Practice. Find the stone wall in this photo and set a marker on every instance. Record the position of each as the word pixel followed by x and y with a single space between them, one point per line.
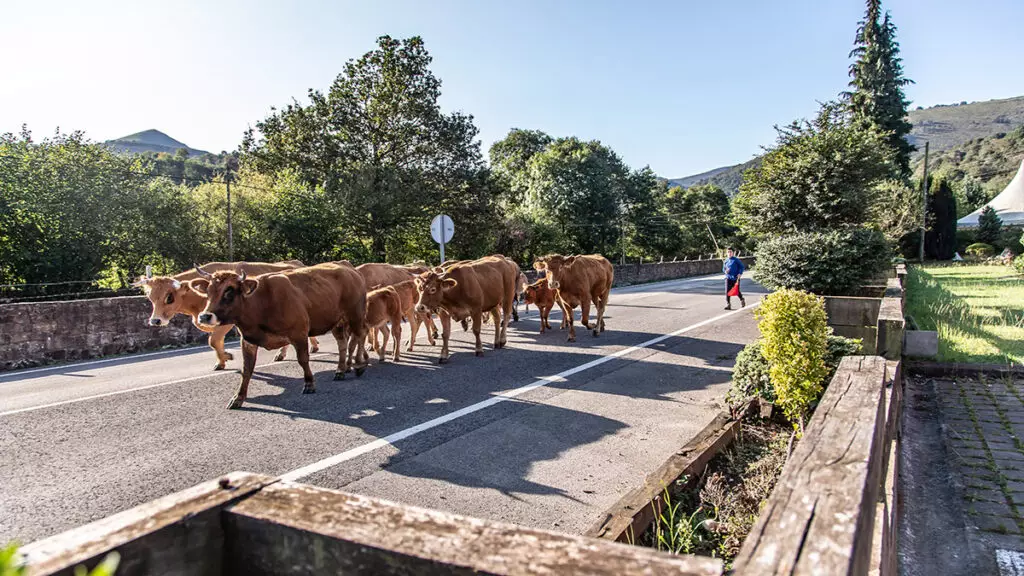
pixel 40 333
pixel 44 332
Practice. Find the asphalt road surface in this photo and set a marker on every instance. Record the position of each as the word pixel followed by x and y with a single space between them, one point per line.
pixel 542 433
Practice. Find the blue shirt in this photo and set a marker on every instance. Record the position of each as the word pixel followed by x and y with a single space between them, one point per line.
pixel 732 268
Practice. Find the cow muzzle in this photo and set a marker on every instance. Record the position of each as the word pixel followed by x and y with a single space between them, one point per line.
pixel 553 284
pixel 154 321
pixel 422 309
pixel 208 319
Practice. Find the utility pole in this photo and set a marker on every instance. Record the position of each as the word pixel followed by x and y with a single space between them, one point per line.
pixel 717 249
pixel 231 235
pixel 924 203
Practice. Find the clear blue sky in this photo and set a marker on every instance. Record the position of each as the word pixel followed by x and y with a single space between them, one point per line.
pixel 683 86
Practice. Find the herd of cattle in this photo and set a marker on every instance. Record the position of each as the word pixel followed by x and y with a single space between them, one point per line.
pixel 275 305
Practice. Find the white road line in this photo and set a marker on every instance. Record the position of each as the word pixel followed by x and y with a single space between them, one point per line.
pixel 1011 562
pixel 389 440
pixel 127 390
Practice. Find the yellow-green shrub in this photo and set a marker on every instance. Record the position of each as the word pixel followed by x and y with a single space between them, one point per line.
pixel 795 343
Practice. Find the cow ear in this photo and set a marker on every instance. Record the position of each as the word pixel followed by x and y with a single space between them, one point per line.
pixel 199 286
pixel 419 282
pixel 539 265
pixel 568 261
pixel 249 285
pixel 449 283
pixel 140 281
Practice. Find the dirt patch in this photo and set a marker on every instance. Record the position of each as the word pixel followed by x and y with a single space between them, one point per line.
pixel 714 518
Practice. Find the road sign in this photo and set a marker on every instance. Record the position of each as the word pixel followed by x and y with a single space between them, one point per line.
pixel 442 229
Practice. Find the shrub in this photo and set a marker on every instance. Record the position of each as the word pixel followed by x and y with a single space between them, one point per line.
pixel 980 249
pixel 821 262
pixel 964 238
pixel 1018 265
pixel 795 332
pixel 751 378
pixel 1009 238
pixel 989 226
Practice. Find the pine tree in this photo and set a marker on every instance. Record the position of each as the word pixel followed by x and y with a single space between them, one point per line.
pixel 989 226
pixel 940 239
pixel 877 82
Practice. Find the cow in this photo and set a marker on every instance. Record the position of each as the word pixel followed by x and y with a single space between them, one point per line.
pixel 384 306
pixel 578 281
pixel 170 295
pixel 543 297
pixel 282 308
pixel 378 275
pixel 468 290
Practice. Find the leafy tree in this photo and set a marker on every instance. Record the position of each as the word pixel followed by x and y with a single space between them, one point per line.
pixel 819 176
pixel 700 211
pixel 377 142
pixel 940 237
pixel 989 226
pixel 896 209
pixel 510 159
pixel 876 95
pixel 970 195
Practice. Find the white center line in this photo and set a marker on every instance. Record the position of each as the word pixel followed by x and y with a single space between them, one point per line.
pixel 389 440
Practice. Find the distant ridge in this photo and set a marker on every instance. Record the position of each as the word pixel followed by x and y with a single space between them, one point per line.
pixel 151 141
pixel 945 127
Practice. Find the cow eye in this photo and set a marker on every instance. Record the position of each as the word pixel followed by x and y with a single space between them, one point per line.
pixel 229 294
pixel 169 299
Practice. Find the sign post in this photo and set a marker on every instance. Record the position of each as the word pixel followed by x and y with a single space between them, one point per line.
pixel 442 229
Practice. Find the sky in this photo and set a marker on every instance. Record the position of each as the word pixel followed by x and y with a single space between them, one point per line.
pixel 683 86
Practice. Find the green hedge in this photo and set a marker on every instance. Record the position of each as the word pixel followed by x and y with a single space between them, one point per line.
pixel 980 249
pixel 821 262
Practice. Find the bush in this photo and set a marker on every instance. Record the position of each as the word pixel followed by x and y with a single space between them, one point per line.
pixel 980 249
pixel 1018 265
pixel 821 262
pixel 751 378
pixel 989 226
pixel 795 332
pixel 964 238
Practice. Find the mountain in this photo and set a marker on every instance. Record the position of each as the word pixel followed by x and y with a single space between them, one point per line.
pixel 944 127
pixel 990 161
pixel 151 141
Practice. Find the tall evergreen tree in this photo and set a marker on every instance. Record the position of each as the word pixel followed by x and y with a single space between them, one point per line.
pixel 989 226
pixel 876 95
pixel 940 239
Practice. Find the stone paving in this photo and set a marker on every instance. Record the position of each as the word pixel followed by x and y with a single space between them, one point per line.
pixel 983 427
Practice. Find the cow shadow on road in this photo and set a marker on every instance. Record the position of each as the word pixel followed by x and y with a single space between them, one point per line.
pixel 515 446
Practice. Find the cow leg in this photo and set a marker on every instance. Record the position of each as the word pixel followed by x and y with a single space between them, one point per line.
pixel 543 318
pixel 515 310
pixel 498 328
pixel 356 350
pixel 566 315
pixel 248 365
pixel 446 332
pixel 396 333
pixel 602 303
pixel 342 339
pixel 217 343
pixel 314 345
pixel 281 354
pixel 414 328
pixel 585 313
pixel 433 328
pixel 478 323
pixel 302 355
pixel 569 314
pixel 382 349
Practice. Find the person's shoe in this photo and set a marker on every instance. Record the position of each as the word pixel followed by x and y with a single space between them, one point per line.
pixel 729 307
pixel 743 303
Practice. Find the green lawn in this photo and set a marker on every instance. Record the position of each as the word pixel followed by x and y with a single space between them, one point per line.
pixel 978 311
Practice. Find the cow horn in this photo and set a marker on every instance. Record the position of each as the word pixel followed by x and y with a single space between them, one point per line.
pixel 202 272
pixel 241 276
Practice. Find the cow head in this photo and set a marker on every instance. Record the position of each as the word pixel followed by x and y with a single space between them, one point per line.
pixel 534 292
pixel 553 266
pixel 165 293
pixel 225 293
pixel 431 286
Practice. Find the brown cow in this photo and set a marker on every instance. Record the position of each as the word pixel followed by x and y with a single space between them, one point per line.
pixel 170 295
pixel 378 275
pixel 578 281
pixel 384 306
pixel 468 290
pixel 284 308
pixel 544 298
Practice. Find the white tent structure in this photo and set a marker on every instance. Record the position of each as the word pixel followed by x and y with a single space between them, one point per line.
pixel 1009 204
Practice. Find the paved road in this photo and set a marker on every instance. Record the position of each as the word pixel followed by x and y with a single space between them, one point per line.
pixel 543 433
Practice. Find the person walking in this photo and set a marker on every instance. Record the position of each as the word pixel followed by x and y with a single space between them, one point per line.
pixel 733 269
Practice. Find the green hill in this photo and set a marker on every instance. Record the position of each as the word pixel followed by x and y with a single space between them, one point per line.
pixel 962 126
pixel 992 161
pixel 151 141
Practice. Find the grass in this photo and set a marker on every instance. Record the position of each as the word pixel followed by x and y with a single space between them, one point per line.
pixel 978 311
pixel 714 518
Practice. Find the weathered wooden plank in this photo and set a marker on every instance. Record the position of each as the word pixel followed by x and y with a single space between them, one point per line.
pixel 298 529
pixel 177 534
pixel 820 517
pixel 630 517
pixel 889 337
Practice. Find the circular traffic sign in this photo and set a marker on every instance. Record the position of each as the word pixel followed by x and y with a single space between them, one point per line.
pixel 442 228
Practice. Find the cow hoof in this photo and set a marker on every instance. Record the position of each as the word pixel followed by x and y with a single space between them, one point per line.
pixel 442 360
pixel 218 367
pixel 436 335
pixel 308 390
pixel 382 360
pixel 596 332
pixel 571 339
pixel 279 358
pixel 235 403
pixel 229 355
pixel 479 352
pixel 339 375
pixel 360 370
pixel 314 349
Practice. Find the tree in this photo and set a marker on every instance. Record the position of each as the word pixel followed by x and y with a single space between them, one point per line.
pixel 819 176
pixel 970 195
pixel 702 213
pixel 510 159
pixel 940 237
pixel 378 144
pixel 896 209
pixel 876 96
pixel 989 226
